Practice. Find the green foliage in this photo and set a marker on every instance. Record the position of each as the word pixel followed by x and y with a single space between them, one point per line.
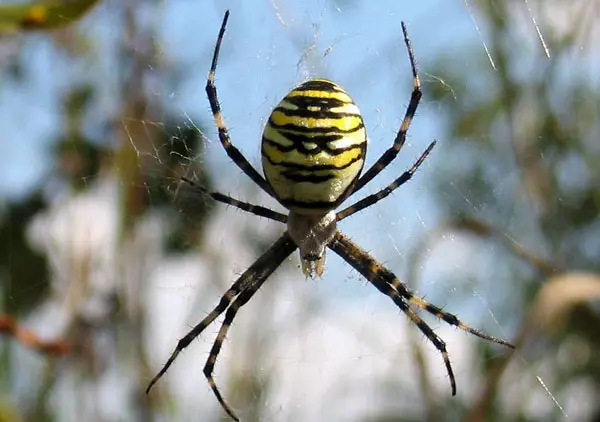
pixel 48 14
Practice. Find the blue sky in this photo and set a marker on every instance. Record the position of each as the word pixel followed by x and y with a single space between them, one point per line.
pixel 269 48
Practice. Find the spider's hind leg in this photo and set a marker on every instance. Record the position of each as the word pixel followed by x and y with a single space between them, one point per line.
pixel 387 283
pixel 244 288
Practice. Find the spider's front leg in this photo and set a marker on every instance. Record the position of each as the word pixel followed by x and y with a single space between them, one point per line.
pixel 388 156
pixel 211 91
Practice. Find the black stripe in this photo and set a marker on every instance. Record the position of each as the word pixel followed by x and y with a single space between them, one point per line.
pixel 289 203
pixel 320 140
pixel 321 167
pixel 303 129
pixel 305 101
pixel 326 86
pixel 299 145
pixel 323 113
pixel 307 178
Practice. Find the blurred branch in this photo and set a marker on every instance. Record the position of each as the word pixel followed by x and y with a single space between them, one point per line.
pixel 550 311
pixel 9 326
pixel 483 229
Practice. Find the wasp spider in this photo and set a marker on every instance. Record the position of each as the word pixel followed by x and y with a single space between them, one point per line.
pixel 313 151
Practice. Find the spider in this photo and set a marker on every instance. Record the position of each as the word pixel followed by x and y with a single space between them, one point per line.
pixel 313 151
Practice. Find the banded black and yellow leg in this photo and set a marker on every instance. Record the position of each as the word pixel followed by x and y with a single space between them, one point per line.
pixel 209 367
pixel 393 151
pixel 244 206
pixel 247 283
pixel 375 269
pixel 378 196
pixel 369 269
pixel 437 312
pixel 386 282
pixel 199 328
pixel 276 254
pixel 211 92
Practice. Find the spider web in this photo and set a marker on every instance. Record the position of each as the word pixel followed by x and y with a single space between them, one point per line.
pixel 136 257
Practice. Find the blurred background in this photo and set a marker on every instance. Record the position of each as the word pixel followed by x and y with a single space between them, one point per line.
pixel 106 260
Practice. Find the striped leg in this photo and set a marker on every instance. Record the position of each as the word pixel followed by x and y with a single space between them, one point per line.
pixel 248 283
pixel 209 367
pixel 392 152
pixel 211 92
pixel 244 206
pixel 261 270
pixel 376 197
pixel 387 283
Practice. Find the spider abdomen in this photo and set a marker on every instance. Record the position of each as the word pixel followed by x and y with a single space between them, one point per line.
pixel 313 147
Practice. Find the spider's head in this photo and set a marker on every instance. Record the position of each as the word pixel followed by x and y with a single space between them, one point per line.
pixel 312 234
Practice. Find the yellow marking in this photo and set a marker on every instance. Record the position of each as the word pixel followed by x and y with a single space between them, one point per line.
pixel 276 136
pixel 416 81
pixel 219 120
pixel 405 124
pixel 355 139
pixel 347 140
pixel 347 108
pixel 417 301
pixel 338 95
pixel 373 268
pixel 343 123
pixel 321 159
pixel 309 192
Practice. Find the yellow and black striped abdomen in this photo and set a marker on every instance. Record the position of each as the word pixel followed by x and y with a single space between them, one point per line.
pixel 313 147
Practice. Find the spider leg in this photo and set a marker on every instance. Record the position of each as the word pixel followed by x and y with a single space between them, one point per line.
pixel 261 269
pixel 345 250
pixel 392 152
pixel 248 283
pixel 378 196
pixel 372 268
pixel 211 92
pixel 387 283
pixel 436 311
pixel 244 206
pixel 240 301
